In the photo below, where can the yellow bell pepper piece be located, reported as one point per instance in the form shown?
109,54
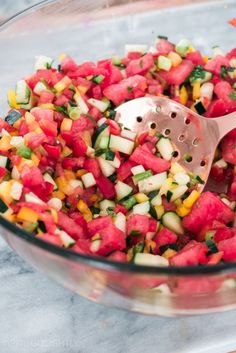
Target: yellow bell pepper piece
66,124
159,211
63,185
191,199
62,84
11,96
54,215
196,90
81,172
183,95
5,143
169,253
5,191
69,174
175,58
141,197
205,58
58,194
27,214
182,211
61,57
47,106
83,208
82,89
35,159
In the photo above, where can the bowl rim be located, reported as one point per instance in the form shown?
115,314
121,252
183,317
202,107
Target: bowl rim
97,261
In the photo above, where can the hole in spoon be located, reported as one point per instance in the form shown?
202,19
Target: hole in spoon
173,115
175,154
196,141
167,132
202,163
158,108
181,137
187,121
139,119
187,158
153,125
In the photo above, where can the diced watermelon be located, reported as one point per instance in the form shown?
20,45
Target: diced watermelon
163,47
193,253
228,246
53,239
82,124
149,161
197,285
140,66
138,223
152,225
124,171
97,224
72,162
214,65
53,151
106,187
112,239
232,189
168,206
118,256
92,166
208,207
177,75
125,89
31,176
217,173
231,54
195,57
164,237
68,64
35,140
217,108
70,226
79,147
46,97
228,147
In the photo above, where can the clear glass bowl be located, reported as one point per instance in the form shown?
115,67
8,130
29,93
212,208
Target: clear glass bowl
94,30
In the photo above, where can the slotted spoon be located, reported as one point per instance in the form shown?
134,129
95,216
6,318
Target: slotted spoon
192,135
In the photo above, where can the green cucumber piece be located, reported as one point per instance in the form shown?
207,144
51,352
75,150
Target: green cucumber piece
137,177
12,117
172,221
3,206
101,131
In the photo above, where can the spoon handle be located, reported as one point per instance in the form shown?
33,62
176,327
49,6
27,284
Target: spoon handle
225,124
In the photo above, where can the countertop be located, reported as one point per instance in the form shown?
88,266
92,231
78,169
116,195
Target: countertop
37,315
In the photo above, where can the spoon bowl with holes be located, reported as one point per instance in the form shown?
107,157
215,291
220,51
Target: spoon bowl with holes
194,137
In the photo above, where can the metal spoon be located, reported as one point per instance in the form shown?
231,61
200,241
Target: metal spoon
192,135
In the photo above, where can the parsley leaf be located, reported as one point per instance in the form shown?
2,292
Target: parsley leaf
232,95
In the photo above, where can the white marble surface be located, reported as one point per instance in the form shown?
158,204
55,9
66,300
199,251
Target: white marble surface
37,315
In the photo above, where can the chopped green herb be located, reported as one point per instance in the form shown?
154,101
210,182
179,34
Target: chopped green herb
135,233
200,108
162,37
152,194
138,248
61,109
59,68
223,71
24,152
130,89
98,79
110,211
232,95
3,206
197,73
152,212
49,65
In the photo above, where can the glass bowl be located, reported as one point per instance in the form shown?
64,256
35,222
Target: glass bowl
91,30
